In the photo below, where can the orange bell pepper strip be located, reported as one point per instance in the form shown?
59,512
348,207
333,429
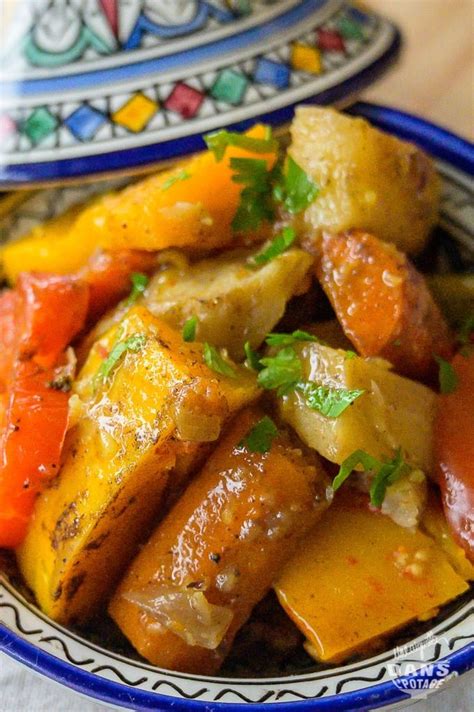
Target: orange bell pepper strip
46,312
454,452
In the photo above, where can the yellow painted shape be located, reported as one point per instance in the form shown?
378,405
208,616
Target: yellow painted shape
306,59
359,576
136,113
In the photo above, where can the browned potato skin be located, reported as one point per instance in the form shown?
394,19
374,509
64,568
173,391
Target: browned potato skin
204,536
368,179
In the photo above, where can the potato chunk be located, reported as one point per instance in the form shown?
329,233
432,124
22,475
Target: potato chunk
218,551
233,303
393,412
145,422
359,576
368,179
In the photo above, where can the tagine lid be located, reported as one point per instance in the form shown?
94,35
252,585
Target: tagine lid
100,87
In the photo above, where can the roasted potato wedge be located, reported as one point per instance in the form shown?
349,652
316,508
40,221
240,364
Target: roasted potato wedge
134,429
393,412
218,551
232,302
368,179
358,577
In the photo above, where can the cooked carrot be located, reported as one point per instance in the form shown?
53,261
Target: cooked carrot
218,551
383,303
454,452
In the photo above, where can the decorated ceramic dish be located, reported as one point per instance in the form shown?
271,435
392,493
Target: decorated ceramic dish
97,87
94,661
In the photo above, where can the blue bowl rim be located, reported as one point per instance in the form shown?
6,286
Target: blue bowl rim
441,144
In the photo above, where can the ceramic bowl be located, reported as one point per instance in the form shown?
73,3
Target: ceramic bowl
445,648
105,86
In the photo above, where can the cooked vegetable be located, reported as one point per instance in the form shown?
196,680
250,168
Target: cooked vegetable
150,215
454,451
358,576
455,295
367,179
392,412
383,303
276,247
137,427
232,304
37,322
216,554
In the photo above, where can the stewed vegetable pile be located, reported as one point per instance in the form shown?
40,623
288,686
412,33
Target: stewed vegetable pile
230,378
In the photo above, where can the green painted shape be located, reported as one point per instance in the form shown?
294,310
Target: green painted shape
349,29
229,86
40,124
39,58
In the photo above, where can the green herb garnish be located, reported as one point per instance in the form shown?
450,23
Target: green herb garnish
350,355
290,339
189,329
330,402
215,361
133,343
253,358
176,178
448,379
255,204
281,372
139,284
466,330
296,190
385,473
276,247
260,437
219,141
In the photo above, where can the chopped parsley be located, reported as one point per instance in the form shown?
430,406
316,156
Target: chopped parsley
448,379
289,339
189,329
385,473
219,141
252,357
260,437
281,372
139,284
330,402
176,178
216,362
295,190
133,343
466,331
256,205
350,355
275,248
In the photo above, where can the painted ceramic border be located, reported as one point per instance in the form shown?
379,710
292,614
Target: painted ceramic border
31,638
138,125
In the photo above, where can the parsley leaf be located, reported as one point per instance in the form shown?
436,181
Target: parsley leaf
466,330
215,361
358,457
276,247
181,175
448,379
281,372
386,473
260,437
189,329
330,402
255,204
139,284
253,359
296,190
219,141
350,355
289,339
133,343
